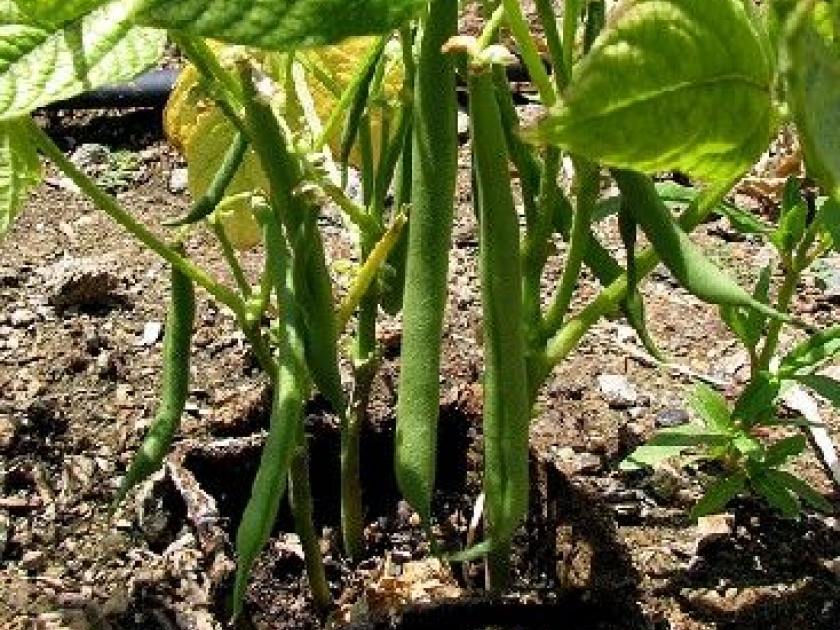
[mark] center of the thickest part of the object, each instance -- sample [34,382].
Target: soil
[81,307]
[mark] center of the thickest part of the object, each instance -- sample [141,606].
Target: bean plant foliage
[279,99]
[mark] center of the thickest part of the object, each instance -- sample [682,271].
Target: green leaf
[20,170]
[671,442]
[776,493]
[811,353]
[711,407]
[811,67]
[718,495]
[757,401]
[779,452]
[670,85]
[280,24]
[825,386]
[802,489]
[828,216]
[40,65]
[793,220]
[755,320]
[56,12]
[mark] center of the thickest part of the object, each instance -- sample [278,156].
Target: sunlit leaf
[710,406]
[811,353]
[57,12]
[811,66]
[20,170]
[280,24]
[671,84]
[40,65]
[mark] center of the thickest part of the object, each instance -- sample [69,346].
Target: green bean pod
[696,273]
[269,485]
[434,167]
[313,285]
[506,408]
[174,387]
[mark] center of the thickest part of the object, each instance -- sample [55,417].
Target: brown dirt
[77,390]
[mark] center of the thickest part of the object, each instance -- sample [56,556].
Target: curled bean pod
[696,273]
[175,379]
[434,162]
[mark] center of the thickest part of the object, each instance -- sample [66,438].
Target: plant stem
[230,257]
[300,497]
[371,267]
[588,184]
[548,20]
[536,248]
[530,53]
[567,338]
[113,209]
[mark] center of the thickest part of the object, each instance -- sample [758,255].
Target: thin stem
[367,274]
[558,347]
[113,209]
[588,183]
[536,247]
[230,258]
[205,60]
[548,20]
[530,53]
[572,10]
[491,28]
[300,496]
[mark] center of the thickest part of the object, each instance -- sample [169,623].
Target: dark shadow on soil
[769,574]
[129,129]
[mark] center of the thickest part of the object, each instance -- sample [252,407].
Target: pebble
[151,333]
[617,391]
[89,155]
[574,463]
[672,417]
[33,560]
[665,483]
[22,317]
[8,432]
[178,180]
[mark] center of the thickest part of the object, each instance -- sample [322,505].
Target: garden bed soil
[81,305]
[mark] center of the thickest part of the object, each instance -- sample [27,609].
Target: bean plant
[280,100]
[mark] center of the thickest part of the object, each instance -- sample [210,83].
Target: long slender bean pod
[434,162]
[269,484]
[506,409]
[313,286]
[174,387]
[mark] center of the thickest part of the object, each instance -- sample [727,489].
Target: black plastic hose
[148,90]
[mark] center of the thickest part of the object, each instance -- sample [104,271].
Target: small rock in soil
[713,528]
[573,463]
[80,282]
[22,317]
[178,180]
[665,483]
[671,417]
[617,391]
[33,560]
[8,433]
[89,156]
[151,333]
